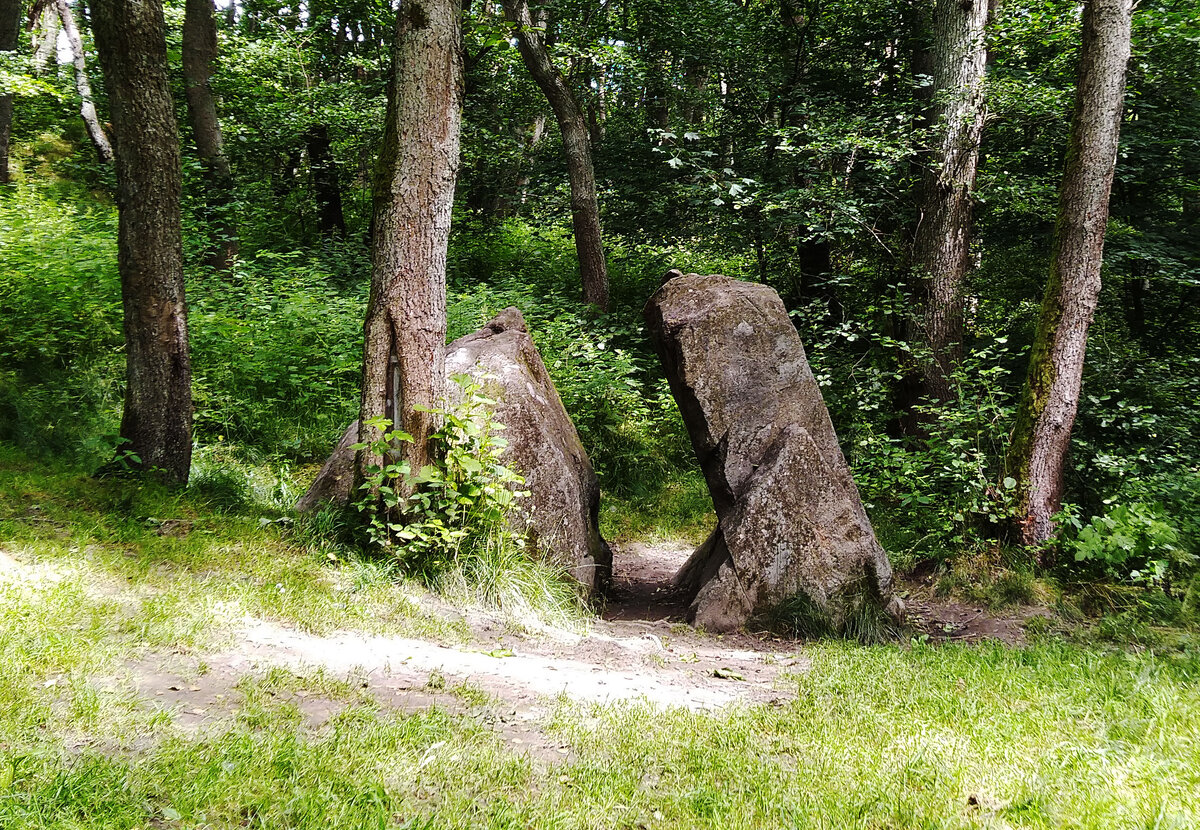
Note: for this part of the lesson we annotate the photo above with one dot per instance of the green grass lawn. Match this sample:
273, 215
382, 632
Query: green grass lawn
1053, 735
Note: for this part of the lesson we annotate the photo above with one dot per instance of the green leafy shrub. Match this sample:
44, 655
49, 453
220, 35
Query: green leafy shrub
456, 524
451, 510
1133, 541
60, 325
947, 491
276, 355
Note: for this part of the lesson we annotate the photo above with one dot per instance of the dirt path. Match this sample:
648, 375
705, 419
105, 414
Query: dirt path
639, 650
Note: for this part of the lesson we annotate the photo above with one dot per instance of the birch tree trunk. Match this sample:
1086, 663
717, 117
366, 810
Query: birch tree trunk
1042, 432
585, 207
10, 28
199, 53
414, 193
45, 39
941, 248
530, 141
87, 108
157, 421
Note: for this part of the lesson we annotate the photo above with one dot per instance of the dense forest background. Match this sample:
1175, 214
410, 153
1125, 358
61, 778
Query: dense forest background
783, 142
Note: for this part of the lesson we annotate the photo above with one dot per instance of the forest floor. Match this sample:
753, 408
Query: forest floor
639, 649
166, 665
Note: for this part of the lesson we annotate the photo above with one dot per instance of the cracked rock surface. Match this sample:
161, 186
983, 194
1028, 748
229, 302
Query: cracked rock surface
792, 536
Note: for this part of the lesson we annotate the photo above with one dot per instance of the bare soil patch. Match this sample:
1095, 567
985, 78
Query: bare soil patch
639, 650
947, 619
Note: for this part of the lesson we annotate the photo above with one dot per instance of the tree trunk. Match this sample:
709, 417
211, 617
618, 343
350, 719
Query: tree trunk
1042, 432
695, 76
199, 53
585, 208
326, 184
87, 108
941, 249
157, 422
533, 137
46, 43
10, 28
414, 194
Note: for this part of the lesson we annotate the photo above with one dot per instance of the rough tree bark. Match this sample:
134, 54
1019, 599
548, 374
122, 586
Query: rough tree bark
1042, 432
941, 247
585, 208
414, 193
87, 107
157, 421
199, 53
10, 28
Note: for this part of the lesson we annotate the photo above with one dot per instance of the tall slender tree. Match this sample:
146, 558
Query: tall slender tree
1042, 432
577, 146
10, 28
941, 246
414, 194
157, 421
199, 54
45, 26
87, 107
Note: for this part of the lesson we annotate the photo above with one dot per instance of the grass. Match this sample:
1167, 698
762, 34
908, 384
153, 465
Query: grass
1052, 736
680, 509
1058, 734
191, 567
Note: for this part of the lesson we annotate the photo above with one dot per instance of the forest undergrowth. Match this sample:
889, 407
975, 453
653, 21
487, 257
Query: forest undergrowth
1094, 723
1086, 726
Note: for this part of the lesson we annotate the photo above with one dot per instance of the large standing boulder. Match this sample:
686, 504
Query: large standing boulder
560, 518
561, 514
792, 539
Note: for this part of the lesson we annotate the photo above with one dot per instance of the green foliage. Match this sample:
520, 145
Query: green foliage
276, 357
993, 577
60, 324
945, 491
453, 510
757, 140
1190, 608
1133, 541
602, 365
223, 488
457, 524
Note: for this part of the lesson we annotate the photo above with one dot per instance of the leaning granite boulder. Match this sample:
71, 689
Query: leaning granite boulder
792, 541
560, 518
561, 514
